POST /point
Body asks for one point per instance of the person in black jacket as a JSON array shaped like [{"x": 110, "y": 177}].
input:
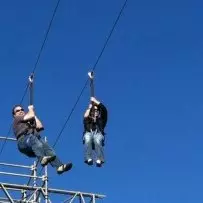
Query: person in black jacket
[
  {"x": 95, "y": 119},
  {"x": 27, "y": 127}
]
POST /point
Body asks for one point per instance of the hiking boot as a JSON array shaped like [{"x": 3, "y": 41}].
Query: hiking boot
[
  {"x": 46, "y": 159},
  {"x": 64, "y": 167}
]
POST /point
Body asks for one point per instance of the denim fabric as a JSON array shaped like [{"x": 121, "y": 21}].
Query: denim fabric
[
  {"x": 94, "y": 138},
  {"x": 34, "y": 146}
]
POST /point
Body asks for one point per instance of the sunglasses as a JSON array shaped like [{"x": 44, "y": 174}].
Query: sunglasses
[{"x": 18, "y": 110}]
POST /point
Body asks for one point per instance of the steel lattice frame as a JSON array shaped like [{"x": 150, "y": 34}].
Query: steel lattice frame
[{"x": 39, "y": 193}]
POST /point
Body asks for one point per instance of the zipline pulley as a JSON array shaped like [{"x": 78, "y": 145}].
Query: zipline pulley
[
  {"x": 31, "y": 81},
  {"x": 91, "y": 76}
]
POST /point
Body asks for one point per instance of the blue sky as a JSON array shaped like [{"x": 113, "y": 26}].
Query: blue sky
[{"x": 150, "y": 78}]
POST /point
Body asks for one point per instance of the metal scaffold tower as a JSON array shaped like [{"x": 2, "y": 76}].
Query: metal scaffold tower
[{"x": 38, "y": 191}]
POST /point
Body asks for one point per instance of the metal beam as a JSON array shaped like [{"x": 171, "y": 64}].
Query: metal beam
[
  {"x": 15, "y": 165},
  {"x": 6, "y": 193},
  {"x": 5, "y": 200},
  {"x": 7, "y": 138},
  {"x": 70, "y": 199},
  {"x": 39, "y": 191},
  {"x": 93, "y": 199},
  {"x": 82, "y": 198},
  {"x": 52, "y": 190},
  {"x": 22, "y": 175}
]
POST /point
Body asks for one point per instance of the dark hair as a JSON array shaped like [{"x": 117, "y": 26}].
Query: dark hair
[{"x": 13, "y": 109}]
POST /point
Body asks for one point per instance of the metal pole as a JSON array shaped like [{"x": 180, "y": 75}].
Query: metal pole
[
  {"x": 21, "y": 175},
  {"x": 35, "y": 179},
  {"x": 4, "y": 200},
  {"x": 24, "y": 195},
  {"x": 71, "y": 199},
  {"x": 6, "y": 193},
  {"x": 15, "y": 165},
  {"x": 82, "y": 200},
  {"x": 93, "y": 199},
  {"x": 7, "y": 138},
  {"x": 46, "y": 185},
  {"x": 46, "y": 181}
]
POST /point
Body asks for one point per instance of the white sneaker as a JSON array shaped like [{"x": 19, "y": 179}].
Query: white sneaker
[
  {"x": 89, "y": 161},
  {"x": 98, "y": 163}
]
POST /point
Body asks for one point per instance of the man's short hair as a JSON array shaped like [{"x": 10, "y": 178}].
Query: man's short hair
[{"x": 13, "y": 109}]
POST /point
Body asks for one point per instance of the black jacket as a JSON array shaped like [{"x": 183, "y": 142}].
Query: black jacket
[{"x": 100, "y": 123}]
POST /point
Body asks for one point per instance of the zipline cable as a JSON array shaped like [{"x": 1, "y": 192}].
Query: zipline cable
[
  {"x": 35, "y": 66},
  {"x": 94, "y": 67},
  {"x": 46, "y": 35}
]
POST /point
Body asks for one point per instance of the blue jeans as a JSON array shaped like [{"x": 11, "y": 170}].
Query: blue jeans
[
  {"x": 34, "y": 146},
  {"x": 95, "y": 139}
]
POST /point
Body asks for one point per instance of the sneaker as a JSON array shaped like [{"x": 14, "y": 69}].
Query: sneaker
[
  {"x": 89, "y": 162},
  {"x": 64, "y": 167},
  {"x": 46, "y": 159},
  {"x": 98, "y": 163}
]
